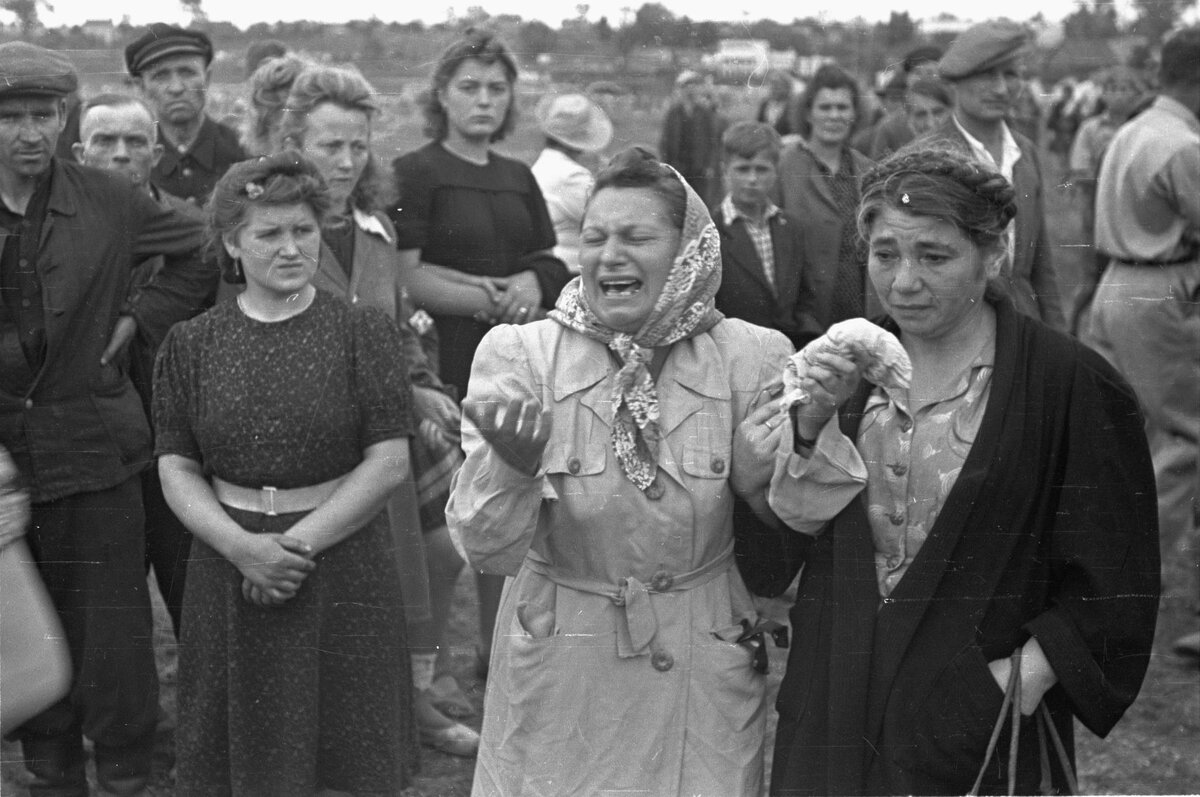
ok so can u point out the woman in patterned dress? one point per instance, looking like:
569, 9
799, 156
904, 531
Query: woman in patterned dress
282, 423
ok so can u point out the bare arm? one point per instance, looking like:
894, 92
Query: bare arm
438, 289
359, 498
271, 562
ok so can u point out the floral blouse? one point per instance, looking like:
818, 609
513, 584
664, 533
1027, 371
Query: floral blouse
913, 457
908, 458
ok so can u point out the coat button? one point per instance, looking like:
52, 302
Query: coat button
718, 465
897, 518
28, 404
573, 466
187, 172
899, 469
905, 425
661, 660
655, 491
662, 581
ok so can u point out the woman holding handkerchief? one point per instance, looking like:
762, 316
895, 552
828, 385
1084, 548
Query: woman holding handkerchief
991, 495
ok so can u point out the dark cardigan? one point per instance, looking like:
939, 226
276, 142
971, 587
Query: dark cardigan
1050, 530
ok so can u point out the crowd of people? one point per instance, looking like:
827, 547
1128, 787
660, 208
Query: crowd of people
636, 395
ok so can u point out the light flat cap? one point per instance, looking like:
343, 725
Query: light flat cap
982, 47
163, 40
29, 70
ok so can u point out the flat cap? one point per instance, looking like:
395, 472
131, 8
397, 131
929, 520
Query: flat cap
26, 69
163, 40
982, 47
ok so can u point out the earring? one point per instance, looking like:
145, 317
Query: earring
237, 267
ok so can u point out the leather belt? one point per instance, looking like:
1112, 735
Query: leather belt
1188, 256
272, 500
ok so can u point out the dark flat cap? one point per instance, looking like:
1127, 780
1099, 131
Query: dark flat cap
982, 47
26, 69
163, 40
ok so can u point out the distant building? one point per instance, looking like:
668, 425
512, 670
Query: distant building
944, 25
101, 29
741, 59
807, 65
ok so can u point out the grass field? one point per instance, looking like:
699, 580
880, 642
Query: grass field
1154, 750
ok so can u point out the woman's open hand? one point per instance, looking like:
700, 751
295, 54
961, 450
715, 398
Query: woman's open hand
755, 442
273, 566
517, 429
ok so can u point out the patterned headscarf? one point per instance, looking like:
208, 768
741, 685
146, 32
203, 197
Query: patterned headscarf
683, 309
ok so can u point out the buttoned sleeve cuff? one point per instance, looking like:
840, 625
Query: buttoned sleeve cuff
808, 492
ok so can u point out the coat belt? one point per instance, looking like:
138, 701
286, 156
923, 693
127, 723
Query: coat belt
638, 623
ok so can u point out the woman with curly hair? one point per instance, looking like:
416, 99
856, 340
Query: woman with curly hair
992, 524
329, 116
282, 425
269, 86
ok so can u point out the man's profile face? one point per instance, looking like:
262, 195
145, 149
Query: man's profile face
119, 139
176, 88
29, 130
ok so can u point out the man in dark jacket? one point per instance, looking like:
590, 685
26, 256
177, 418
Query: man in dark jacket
689, 135
72, 420
117, 135
173, 67
983, 65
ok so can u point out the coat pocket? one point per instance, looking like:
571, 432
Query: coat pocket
953, 723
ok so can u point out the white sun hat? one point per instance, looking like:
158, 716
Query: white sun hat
576, 121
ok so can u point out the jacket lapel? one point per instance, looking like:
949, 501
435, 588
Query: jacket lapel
741, 253
787, 276
330, 275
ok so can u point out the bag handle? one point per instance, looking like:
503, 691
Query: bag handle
1011, 708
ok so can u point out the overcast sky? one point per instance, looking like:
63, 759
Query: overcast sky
246, 12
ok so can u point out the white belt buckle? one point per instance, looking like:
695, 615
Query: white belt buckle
269, 500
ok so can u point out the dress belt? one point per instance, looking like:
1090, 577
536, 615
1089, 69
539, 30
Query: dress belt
272, 500
1189, 255
638, 625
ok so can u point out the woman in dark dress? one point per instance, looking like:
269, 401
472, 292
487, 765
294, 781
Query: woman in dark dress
281, 421
474, 234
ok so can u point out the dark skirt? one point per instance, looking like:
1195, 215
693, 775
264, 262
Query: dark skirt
314, 694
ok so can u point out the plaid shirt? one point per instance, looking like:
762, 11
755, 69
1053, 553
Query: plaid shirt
759, 231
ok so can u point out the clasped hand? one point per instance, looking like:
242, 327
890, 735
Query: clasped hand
273, 567
514, 300
517, 429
